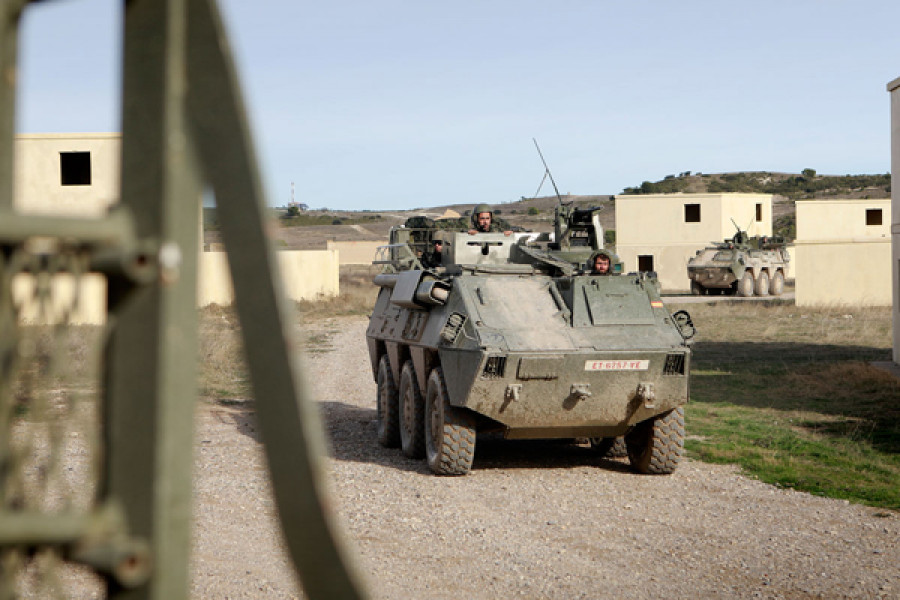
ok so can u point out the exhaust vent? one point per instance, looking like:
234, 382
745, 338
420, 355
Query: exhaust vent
674, 364
494, 368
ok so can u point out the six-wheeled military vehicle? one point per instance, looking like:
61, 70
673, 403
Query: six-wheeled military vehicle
742, 265
499, 334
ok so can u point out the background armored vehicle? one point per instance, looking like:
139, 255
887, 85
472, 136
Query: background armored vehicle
742, 265
513, 337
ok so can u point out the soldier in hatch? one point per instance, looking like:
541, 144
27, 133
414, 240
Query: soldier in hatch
483, 221
434, 257
602, 263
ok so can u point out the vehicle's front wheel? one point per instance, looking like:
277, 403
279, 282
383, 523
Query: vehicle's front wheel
776, 286
388, 406
449, 432
655, 446
412, 414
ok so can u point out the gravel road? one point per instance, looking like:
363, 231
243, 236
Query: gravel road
532, 520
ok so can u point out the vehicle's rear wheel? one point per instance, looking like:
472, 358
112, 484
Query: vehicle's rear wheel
762, 284
745, 285
388, 406
449, 432
412, 413
696, 288
655, 446
776, 286
613, 447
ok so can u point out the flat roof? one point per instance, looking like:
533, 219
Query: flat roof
893, 85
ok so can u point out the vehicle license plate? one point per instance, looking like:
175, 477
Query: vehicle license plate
616, 365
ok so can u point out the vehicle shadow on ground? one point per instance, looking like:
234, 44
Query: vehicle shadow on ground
753, 355
239, 413
352, 432
833, 380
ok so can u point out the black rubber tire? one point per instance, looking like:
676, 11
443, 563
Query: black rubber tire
387, 402
412, 413
655, 446
776, 285
745, 285
613, 447
762, 284
449, 431
697, 289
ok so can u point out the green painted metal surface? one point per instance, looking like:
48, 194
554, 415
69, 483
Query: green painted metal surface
118, 498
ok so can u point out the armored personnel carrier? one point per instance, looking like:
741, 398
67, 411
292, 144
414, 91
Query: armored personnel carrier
497, 334
742, 265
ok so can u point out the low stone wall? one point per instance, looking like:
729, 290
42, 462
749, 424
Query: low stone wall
355, 253
305, 275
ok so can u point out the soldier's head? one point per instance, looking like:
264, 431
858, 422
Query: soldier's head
601, 263
482, 215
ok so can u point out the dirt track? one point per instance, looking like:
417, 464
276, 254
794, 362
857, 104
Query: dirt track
532, 520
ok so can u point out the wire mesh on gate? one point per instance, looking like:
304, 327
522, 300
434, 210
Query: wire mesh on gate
50, 436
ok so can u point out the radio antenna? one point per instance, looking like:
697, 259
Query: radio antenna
547, 172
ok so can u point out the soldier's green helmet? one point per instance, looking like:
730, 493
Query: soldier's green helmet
480, 208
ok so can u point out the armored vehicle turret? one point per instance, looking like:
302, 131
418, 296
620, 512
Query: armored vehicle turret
742, 265
498, 334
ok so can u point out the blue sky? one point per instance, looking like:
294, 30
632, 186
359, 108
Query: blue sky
404, 104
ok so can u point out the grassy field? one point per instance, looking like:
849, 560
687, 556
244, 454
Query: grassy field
788, 394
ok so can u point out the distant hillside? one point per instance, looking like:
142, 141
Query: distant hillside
806, 185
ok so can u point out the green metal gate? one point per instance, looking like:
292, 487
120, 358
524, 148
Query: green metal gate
94, 450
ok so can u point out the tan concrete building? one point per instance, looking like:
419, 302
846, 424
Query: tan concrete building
843, 252
78, 175
661, 232
894, 89
72, 174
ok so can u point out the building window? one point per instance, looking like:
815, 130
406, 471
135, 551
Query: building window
75, 168
759, 212
645, 262
691, 213
873, 216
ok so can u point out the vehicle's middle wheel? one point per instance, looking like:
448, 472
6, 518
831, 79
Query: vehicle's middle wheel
762, 284
412, 413
613, 447
745, 285
449, 432
388, 405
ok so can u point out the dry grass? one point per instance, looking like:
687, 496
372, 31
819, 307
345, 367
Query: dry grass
357, 295
223, 366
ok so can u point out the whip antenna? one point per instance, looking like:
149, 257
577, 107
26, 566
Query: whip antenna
547, 172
